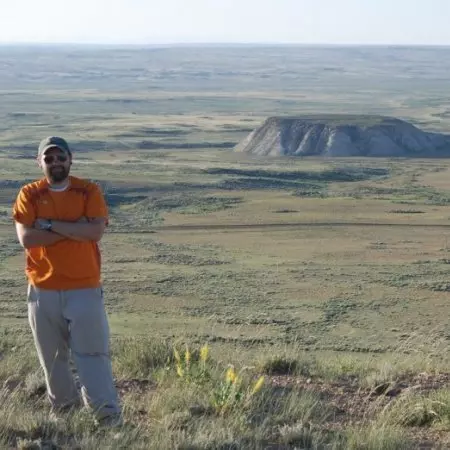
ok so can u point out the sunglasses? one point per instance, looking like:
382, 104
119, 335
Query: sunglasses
52, 158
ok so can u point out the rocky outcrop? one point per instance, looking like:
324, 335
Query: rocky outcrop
343, 135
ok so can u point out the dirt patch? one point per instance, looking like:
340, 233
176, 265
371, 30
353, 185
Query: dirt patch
353, 405
134, 385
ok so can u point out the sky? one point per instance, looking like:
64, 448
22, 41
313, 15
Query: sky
393, 22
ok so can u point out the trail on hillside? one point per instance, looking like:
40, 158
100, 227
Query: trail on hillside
279, 225
264, 226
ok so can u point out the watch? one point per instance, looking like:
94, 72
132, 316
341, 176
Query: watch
48, 225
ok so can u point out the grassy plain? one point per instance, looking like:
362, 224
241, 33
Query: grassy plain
329, 277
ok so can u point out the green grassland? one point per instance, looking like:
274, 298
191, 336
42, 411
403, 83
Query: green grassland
347, 279
329, 277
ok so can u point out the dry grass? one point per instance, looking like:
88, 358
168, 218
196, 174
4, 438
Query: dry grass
166, 410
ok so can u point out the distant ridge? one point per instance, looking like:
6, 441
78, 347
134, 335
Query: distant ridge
343, 135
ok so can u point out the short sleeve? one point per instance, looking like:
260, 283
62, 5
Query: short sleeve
96, 204
23, 209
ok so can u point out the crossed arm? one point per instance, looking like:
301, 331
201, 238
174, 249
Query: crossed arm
82, 230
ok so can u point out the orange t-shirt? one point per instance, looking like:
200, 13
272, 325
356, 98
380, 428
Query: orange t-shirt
67, 264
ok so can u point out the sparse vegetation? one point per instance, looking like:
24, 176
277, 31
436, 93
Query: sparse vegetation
225, 308
326, 277
425, 410
187, 396
339, 174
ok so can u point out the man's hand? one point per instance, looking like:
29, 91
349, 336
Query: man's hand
30, 237
84, 229
42, 224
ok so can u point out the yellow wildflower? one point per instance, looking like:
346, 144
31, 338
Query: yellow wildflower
187, 356
204, 353
258, 385
176, 355
231, 376
179, 370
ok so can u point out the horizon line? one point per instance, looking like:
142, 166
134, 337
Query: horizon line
219, 44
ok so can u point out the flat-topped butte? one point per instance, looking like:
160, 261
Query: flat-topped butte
343, 135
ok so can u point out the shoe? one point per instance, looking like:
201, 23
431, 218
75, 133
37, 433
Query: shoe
113, 421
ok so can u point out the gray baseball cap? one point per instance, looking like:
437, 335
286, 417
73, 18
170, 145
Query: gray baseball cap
52, 142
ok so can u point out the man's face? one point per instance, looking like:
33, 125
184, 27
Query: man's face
55, 164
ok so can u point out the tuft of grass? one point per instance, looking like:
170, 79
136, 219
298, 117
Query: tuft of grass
18, 365
344, 367
420, 410
136, 357
302, 435
370, 372
375, 437
279, 365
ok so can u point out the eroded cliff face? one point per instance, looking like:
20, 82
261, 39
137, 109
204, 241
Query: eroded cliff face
343, 136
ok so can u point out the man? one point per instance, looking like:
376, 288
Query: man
59, 221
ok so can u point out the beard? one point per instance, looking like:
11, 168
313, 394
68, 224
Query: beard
58, 174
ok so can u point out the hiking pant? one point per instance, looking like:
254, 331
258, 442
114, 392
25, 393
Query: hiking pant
73, 323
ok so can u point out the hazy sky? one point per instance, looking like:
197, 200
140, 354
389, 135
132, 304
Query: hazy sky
172, 21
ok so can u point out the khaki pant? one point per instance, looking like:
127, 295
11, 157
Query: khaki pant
67, 324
